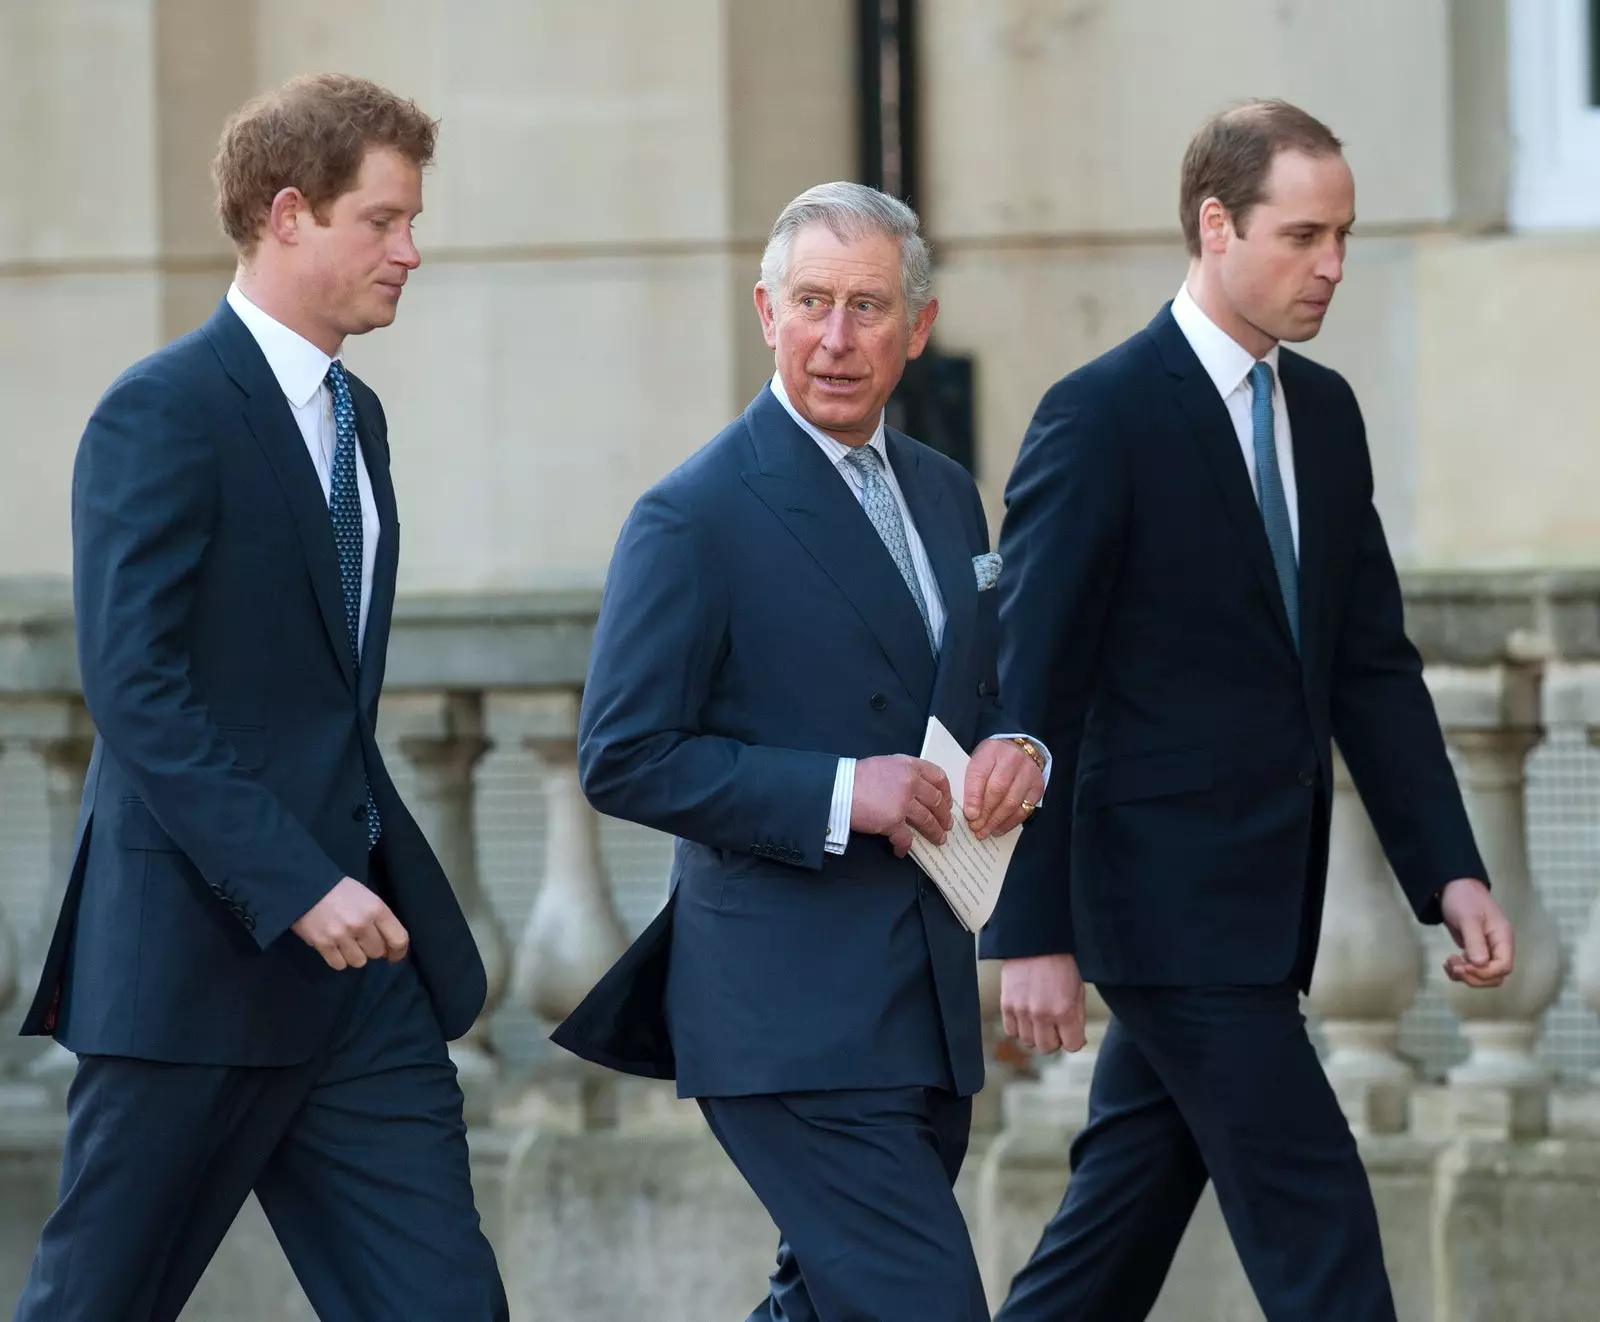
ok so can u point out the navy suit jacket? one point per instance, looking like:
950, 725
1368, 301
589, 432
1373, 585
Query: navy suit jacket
1146, 642
225, 795
754, 630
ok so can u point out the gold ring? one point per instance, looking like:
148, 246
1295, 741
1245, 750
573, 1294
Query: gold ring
1027, 808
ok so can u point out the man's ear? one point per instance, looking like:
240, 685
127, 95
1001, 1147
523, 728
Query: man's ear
769, 316
289, 212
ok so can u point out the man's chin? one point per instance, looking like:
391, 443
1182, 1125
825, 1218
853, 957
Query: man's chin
835, 420
1305, 327
840, 408
371, 319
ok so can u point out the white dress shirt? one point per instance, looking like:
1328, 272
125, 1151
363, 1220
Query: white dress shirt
1228, 365
302, 369
844, 780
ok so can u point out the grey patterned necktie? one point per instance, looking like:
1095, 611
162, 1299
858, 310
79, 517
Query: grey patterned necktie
1269, 493
344, 505
884, 511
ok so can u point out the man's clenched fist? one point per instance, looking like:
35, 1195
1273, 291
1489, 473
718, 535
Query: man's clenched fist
1041, 1002
350, 925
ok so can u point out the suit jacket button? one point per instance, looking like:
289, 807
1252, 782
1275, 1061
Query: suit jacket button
359, 813
878, 702
983, 688
249, 923
1306, 779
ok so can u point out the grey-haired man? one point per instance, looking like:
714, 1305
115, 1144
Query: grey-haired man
783, 614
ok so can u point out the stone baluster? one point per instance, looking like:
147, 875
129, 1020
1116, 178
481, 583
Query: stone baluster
573, 934
1369, 968
1572, 697
8, 951
1492, 720
442, 738
1000, 1065
8, 963
62, 738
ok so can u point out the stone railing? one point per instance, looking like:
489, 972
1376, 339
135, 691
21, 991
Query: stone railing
567, 1152
1507, 656
463, 674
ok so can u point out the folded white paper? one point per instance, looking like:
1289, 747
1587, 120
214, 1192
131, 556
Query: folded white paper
968, 871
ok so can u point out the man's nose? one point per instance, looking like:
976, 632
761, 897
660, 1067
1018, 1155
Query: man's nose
837, 332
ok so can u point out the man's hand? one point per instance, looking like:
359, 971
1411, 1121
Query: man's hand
350, 925
1041, 1001
1481, 930
897, 795
1001, 779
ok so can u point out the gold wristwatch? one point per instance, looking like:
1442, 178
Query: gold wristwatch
1031, 749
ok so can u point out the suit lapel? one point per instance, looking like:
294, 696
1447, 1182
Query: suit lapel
271, 422
1213, 432
813, 501
386, 561
940, 529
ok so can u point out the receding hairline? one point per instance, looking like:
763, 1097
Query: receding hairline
1232, 155
1268, 196
1258, 114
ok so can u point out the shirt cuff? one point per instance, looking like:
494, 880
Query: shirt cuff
1040, 745
844, 792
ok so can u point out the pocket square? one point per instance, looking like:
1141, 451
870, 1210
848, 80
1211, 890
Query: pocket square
987, 569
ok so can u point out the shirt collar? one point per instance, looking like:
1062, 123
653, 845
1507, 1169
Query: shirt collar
1227, 362
836, 450
298, 364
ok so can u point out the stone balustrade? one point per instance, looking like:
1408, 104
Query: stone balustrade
1511, 660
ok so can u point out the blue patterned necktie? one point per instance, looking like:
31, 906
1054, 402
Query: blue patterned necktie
344, 504
1269, 494
884, 511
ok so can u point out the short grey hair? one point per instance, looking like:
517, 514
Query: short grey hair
851, 212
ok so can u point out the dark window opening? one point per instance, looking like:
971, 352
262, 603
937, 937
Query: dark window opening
935, 400
1592, 49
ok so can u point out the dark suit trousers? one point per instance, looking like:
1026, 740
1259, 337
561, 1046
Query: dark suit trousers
1218, 1081
860, 1186
358, 1157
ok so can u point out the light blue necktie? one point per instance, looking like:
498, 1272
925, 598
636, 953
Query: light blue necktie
1269, 494
884, 511
344, 504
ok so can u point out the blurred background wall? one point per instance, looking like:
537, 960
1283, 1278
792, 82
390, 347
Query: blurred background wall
608, 170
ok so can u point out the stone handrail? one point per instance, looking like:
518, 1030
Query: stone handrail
1507, 652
